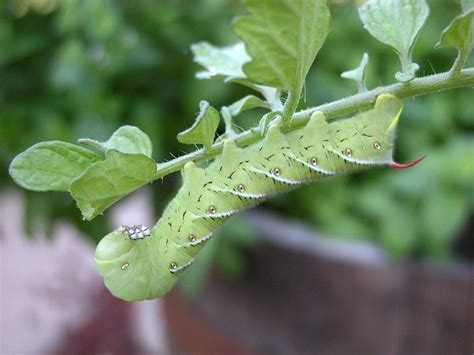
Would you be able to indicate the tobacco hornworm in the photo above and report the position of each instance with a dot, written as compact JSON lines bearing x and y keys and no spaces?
{"x":140,"y":264}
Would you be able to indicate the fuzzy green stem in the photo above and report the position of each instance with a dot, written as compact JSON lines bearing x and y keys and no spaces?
{"x":361,"y":101}
{"x":361,"y":86}
{"x":459,"y":62}
{"x":405,"y":60}
{"x":291,"y":104}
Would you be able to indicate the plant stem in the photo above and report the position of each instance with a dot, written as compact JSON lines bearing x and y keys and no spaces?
{"x":459,"y":63}
{"x":361,"y":86}
{"x":291,"y":104}
{"x":361,"y":101}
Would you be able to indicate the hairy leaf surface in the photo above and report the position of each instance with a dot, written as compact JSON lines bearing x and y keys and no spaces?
{"x":459,"y":34}
{"x":467,"y":5}
{"x":246,"y":103}
{"x":51,"y":166}
{"x":396,"y":23}
{"x":108,"y":181}
{"x":126,"y":139}
{"x":220,"y":61}
{"x":226,"y":63}
{"x":204,"y":128}
{"x":283,"y":38}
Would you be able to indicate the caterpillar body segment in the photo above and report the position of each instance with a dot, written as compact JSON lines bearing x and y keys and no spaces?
{"x":146,"y":268}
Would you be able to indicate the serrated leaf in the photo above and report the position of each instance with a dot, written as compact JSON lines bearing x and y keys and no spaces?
{"x":226,"y":63}
{"x":459,"y":35}
{"x":467,"y":5}
{"x":247,"y":103}
{"x":109,"y":180}
{"x":282,"y":37}
{"x":220,"y":61}
{"x":50,"y":166}
{"x":126,"y":139}
{"x":271,"y":95}
{"x":358,"y":74}
{"x":396,"y":23}
{"x":204,"y":128}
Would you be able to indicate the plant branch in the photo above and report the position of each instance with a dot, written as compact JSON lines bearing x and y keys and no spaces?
{"x":291,"y":104}
{"x":459,"y":63}
{"x":361,"y":101}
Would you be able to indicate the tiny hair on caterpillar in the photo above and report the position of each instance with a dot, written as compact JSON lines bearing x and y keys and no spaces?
{"x":138,"y":263}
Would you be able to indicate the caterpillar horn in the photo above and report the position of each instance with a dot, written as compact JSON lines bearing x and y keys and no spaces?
{"x":395,"y":165}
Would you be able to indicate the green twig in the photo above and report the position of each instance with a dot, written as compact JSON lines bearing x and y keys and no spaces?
{"x":459,"y":63}
{"x":361,"y":101}
{"x":291,"y":104}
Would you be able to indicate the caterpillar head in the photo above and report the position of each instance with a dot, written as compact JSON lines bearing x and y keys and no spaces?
{"x":368,"y":138}
{"x":123,"y":260}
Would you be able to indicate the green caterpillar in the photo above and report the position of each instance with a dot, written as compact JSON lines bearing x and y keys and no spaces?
{"x":140,"y":264}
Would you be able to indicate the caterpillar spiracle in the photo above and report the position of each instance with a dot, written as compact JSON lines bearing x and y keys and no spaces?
{"x":140,"y":264}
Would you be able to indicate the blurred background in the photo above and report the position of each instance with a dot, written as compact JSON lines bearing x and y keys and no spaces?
{"x":378,"y":262}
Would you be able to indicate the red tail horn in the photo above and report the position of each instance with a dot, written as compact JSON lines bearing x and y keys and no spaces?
{"x":406,"y":166}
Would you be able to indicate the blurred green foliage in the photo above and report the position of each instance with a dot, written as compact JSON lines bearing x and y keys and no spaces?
{"x":416,"y":212}
{"x":81,"y":68}
{"x":73,"y":68}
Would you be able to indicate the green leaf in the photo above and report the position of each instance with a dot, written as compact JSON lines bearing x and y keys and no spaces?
{"x":247,"y":103}
{"x":109,"y":180}
{"x":409,"y":73}
{"x":358,"y":74}
{"x":272,"y":96}
{"x":227,"y":63}
{"x":220,"y":61}
{"x":282,"y":38}
{"x":396,"y":23}
{"x":266,"y":121}
{"x":50,"y":166}
{"x":126,"y":139}
{"x":204,"y":128}
{"x":229,"y":129}
{"x":467,"y":5}
{"x":459,"y":35}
